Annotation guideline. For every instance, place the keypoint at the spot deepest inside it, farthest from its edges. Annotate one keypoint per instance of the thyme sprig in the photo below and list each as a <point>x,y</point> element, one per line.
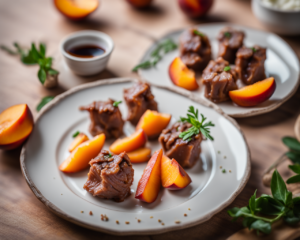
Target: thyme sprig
<point>198,126</point>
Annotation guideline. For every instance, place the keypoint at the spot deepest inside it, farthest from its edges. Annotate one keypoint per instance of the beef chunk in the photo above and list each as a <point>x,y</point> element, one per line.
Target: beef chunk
<point>110,176</point>
<point>105,118</point>
<point>250,64</point>
<point>230,40</point>
<point>218,85</point>
<point>195,50</point>
<point>184,152</point>
<point>138,99</point>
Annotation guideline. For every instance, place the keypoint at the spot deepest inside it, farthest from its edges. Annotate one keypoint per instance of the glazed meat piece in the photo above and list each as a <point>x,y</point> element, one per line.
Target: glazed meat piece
<point>218,67</point>
<point>195,50</point>
<point>184,152</point>
<point>138,99</point>
<point>250,64</point>
<point>230,40</point>
<point>110,176</point>
<point>218,85</point>
<point>105,118</point>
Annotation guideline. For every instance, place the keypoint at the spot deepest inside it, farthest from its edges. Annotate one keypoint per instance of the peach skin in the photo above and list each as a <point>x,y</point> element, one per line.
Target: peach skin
<point>150,182</point>
<point>153,122</point>
<point>140,155</point>
<point>16,124</point>
<point>173,176</point>
<point>80,138</point>
<point>195,8</point>
<point>78,9</point>
<point>140,3</point>
<point>83,154</point>
<point>254,94</point>
<point>182,76</point>
<point>129,144</point>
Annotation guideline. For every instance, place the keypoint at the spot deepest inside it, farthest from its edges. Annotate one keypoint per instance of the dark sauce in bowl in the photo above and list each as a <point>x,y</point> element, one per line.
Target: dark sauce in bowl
<point>86,51</point>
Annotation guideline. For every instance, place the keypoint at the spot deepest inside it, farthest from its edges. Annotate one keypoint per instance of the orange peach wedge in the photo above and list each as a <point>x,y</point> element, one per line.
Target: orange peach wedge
<point>83,154</point>
<point>153,122</point>
<point>182,76</point>
<point>16,123</point>
<point>129,144</point>
<point>76,9</point>
<point>80,138</point>
<point>150,182</point>
<point>254,94</point>
<point>140,155</point>
<point>173,176</point>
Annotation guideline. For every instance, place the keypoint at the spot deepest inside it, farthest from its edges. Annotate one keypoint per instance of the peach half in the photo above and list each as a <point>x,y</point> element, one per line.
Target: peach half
<point>140,155</point>
<point>80,138</point>
<point>76,9</point>
<point>153,122</point>
<point>254,94</point>
<point>16,124</point>
<point>129,144</point>
<point>150,182</point>
<point>182,76</point>
<point>81,156</point>
<point>173,176</point>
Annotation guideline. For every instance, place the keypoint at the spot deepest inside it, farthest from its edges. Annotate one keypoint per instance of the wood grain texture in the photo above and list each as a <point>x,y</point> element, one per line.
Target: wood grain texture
<point>22,216</point>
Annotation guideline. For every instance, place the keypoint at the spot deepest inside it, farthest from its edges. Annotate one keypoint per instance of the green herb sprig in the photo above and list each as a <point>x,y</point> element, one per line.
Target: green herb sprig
<point>227,34</point>
<point>34,56</point>
<point>43,102</point>
<point>254,49</point>
<point>199,33</point>
<point>108,155</point>
<point>262,212</point>
<point>227,68</point>
<point>116,104</point>
<point>157,54</point>
<point>198,126</point>
<point>75,134</point>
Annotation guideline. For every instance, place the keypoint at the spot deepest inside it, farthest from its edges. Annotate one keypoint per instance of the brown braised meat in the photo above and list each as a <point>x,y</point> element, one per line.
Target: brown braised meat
<point>105,118</point>
<point>218,67</point>
<point>138,99</point>
<point>218,85</point>
<point>110,176</point>
<point>250,64</point>
<point>230,40</point>
<point>195,50</point>
<point>184,152</point>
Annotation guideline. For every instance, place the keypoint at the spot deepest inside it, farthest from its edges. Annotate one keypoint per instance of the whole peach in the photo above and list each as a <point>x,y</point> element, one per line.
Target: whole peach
<point>195,8</point>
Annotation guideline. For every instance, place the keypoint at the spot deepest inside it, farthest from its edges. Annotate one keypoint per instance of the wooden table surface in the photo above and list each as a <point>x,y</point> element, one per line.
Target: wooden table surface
<point>22,216</point>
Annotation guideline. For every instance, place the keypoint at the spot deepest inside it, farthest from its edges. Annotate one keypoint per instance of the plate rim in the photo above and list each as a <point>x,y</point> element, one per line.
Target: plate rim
<point>236,115</point>
<point>53,208</point>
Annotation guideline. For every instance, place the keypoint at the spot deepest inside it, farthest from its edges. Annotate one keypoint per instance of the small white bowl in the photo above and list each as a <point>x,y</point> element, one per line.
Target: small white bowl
<point>87,66</point>
<point>286,22</point>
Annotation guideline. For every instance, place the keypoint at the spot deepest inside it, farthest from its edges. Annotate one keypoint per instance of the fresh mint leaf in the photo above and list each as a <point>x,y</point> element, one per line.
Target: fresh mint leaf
<point>247,221</point>
<point>261,226</point>
<point>48,62</point>
<point>294,157</point>
<point>291,218</point>
<point>254,49</point>
<point>42,75</point>
<point>268,205</point>
<point>227,34</point>
<point>116,104</point>
<point>252,203</point>
<point>227,68</point>
<point>292,143</point>
<point>28,60</point>
<point>34,52</point>
<point>294,179</point>
<point>278,187</point>
<point>52,72</point>
<point>43,102</point>
<point>75,134</point>
<point>42,49</point>
<point>295,168</point>
<point>196,32</point>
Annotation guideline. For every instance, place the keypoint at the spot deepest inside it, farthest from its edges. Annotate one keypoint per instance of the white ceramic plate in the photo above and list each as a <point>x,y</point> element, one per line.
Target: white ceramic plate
<point>210,192</point>
<point>282,63</point>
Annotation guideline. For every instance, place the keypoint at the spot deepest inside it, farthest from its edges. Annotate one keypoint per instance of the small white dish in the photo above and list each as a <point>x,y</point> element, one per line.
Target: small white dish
<point>282,63</point>
<point>286,22</point>
<point>87,66</point>
<point>210,192</point>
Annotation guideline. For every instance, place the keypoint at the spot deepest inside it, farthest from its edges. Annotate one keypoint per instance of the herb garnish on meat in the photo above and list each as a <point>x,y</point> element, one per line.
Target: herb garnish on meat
<point>115,104</point>
<point>75,134</point>
<point>227,34</point>
<point>198,33</point>
<point>227,68</point>
<point>198,126</point>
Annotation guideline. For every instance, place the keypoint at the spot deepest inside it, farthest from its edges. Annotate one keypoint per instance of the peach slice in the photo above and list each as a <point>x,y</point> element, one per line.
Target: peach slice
<point>16,123</point>
<point>80,138</point>
<point>173,176</point>
<point>182,76</point>
<point>129,144</point>
<point>139,155</point>
<point>150,182</point>
<point>76,9</point>
<point>79,159</point>
<point>153,122</point>
<point>254,94</point>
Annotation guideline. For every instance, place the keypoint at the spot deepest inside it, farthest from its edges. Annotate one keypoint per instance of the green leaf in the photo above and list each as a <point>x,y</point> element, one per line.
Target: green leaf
<point>43,102</point>
<point>278,187</point>
<point>254,49</point>
<point>295,168</point>
<point>294,157</point>
<point>34,53</point>
<point>252,203</point>
<point>291,218</point>
<point>289,199</point>
<point>48,63</point>
<point>42,75</point>
<point>227,68</point>
<point>296,200</point>
<point>116,104</point>
<point>294,179</point>
<point>227,34</point>
<point>8,50</point>
<point>237,212</point>
<point>108,155</point>
<point>198,33</point>
<point>247,222</point>
<point>143,65</point>
<point>53,72</point>
<point>268,205</point>
<point>261,226</point>
<point>292,143</point>
<point>75,134</point>
<point>28,60</point>
<point>42,49</point>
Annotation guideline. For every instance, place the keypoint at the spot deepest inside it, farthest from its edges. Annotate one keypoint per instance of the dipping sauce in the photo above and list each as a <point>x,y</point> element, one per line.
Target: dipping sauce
<point>86,51</point>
